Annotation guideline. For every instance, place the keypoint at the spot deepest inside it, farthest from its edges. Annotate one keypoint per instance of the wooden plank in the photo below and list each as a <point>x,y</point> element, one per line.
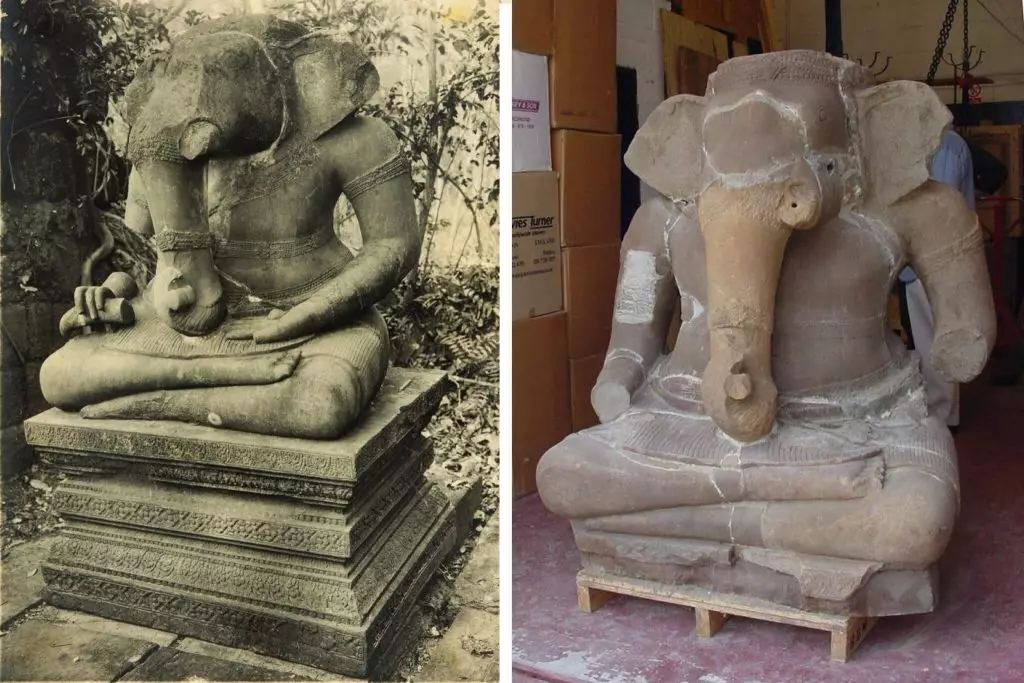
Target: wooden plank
<point>714,609</point>
<point>770,39</point>
<point>741,17</point>
<point>692,71</point>
<point>709,622</point>
<point>846,640</point>
<point>591,599</point>
<point>679,32</point>
<point>707,12</point>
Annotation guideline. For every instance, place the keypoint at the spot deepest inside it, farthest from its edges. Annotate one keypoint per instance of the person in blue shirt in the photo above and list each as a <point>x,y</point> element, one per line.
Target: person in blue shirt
<point>951,165</point>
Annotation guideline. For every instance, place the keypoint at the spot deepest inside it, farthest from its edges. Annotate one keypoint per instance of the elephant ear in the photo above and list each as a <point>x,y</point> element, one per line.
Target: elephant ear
<point>668,150</point>
<point>901,124</point>
<point>332,79</point>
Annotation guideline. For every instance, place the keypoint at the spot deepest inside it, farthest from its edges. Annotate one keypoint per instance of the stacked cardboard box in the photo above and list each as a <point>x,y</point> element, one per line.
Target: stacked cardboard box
<point>558,352</point>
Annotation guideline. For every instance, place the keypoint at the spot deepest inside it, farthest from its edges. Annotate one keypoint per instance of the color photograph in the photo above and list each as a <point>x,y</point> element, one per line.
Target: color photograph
<point>767,341</point>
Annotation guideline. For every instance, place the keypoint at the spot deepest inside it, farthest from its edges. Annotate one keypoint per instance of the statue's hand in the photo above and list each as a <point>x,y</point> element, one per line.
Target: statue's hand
<point>89,301</point>
<point>610,400</point>
<point>959,355</point>
<point>281,326</point>
<point>613,391</point>
<point>107,304</point>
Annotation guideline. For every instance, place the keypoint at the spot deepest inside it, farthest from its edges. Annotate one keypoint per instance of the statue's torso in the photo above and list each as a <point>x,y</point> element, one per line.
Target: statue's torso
<point>277,220</point>
<point>831,307</point>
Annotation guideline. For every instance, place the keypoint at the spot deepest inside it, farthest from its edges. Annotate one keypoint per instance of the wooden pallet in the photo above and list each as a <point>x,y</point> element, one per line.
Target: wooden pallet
<point>714,609</point>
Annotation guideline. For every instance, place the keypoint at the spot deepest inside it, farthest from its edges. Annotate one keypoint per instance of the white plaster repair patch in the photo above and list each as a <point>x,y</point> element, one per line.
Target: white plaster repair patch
<point>635,303</point>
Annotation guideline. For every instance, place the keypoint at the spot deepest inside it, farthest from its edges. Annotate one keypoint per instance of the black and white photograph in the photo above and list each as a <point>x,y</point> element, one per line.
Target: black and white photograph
<point>250,347</point>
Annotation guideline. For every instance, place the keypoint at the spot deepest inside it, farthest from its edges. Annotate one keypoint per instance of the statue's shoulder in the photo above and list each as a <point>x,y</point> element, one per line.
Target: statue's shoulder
<point>359,144</point>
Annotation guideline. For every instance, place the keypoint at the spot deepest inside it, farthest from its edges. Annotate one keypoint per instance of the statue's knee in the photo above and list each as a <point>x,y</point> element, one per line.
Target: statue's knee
<point>57,380</point>
<point>328,402</point>
<point>917,520</point>
<point>561,481</point>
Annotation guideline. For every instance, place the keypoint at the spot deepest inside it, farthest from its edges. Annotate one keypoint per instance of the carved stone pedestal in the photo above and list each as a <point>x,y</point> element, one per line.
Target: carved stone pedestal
<point>312,551</point>
<point>824,585</point>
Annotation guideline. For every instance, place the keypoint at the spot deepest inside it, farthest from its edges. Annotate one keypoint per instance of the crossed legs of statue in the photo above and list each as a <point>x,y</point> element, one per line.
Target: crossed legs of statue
<point>886,508</point>
<point>314,390</point>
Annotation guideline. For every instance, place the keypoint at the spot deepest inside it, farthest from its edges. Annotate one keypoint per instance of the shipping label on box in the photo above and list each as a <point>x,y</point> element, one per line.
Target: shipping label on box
<point>536,245</point>
<point>531,117</point>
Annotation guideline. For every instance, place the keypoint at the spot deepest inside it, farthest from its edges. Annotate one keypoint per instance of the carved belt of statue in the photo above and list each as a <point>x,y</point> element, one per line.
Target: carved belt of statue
<point>787,417</point>
<point>243,138</point>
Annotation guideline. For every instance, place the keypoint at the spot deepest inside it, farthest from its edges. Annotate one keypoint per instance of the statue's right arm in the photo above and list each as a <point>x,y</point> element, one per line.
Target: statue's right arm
<point>643,309</point>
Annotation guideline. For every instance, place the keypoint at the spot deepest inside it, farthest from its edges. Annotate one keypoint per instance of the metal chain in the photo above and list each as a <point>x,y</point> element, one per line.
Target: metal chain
<point>947,26</point>
<point>967,49</point>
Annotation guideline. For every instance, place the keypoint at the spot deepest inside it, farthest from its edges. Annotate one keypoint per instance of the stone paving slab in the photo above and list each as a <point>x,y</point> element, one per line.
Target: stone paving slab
<point>22,585</point>
<point>97,624</point>
<point>39,650</point>
<point>171,664</point>
<point>478,584</point>
<point>468,651</point>
<point>257,661</point>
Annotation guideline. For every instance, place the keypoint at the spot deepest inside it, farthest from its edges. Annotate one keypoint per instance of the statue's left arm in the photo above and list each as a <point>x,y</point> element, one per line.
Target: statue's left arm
<point>374,176</point>
<point>945,247</point>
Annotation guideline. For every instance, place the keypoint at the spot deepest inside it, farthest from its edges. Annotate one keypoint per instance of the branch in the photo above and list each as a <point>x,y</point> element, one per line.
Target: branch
<point>477,382</point>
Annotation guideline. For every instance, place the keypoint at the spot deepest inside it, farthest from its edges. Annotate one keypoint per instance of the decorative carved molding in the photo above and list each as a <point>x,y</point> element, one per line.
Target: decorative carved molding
<point>292,527</point>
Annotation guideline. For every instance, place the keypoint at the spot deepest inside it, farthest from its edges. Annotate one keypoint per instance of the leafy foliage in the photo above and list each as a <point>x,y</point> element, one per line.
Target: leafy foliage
<point>447,319</point>
<point>63,62</point>
<point>447,125</point>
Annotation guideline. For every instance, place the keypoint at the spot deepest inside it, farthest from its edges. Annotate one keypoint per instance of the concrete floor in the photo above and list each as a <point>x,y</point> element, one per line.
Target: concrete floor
<point>976,634</point>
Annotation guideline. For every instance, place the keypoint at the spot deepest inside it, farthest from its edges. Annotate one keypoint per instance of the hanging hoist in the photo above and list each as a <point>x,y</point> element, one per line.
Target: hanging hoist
<point>969,86</point>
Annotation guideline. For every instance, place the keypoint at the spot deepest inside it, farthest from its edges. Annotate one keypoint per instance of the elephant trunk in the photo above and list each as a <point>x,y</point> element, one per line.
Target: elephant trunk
<point>745,237</point>
<point>200,138</point>
<point>187,293</point>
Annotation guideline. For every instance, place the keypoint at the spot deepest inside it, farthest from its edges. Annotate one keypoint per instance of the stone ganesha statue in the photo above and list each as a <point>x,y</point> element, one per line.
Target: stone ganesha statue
<point>783,449</point>
<point>243,138</point>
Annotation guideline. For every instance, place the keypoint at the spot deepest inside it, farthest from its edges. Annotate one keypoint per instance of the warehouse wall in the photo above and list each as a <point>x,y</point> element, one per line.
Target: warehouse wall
<point>907,31</point>
<point>639,47</point>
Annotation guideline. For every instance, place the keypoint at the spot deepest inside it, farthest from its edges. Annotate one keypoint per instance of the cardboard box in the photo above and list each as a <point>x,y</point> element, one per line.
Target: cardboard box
<point>541,414</point>
<point>590,191</point>
<point>583,373</point>
<point>536,262</point>
<point>590,276</point>
<point>531,26</point>
<point>582,66</point>
<point>742,17</point>
<point>531,121</point>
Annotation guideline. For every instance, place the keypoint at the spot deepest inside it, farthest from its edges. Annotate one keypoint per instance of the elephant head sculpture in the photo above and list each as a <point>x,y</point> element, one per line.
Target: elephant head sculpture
<point>764,154</point>
<point>251,87</point>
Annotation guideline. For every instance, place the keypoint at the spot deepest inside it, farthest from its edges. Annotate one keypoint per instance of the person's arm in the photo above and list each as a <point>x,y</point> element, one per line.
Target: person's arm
<point>643,309</point>
<point>374,176</point>
<point>952,165</point>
